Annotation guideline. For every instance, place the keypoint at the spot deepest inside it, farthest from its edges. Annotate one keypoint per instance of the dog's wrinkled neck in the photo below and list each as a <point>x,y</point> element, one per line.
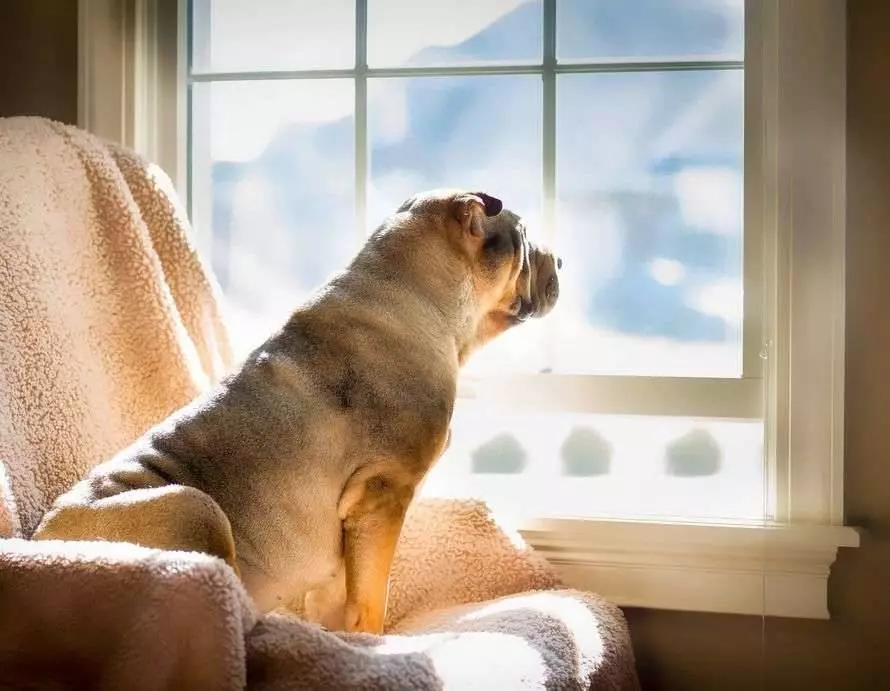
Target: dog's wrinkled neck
<point>409,272</point>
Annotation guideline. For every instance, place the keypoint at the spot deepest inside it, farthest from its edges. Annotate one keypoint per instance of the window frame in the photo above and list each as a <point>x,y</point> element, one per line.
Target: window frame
<point>132,77</point>
<point>654,393</point>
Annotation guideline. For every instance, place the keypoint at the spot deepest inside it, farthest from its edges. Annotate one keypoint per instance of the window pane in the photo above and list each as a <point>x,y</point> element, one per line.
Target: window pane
<point>649,185</point>
<point>461,32</point>
<point>649,29</point>
<point>236,35</point>
<point>470,132</point>
<point>272,176</point>
<point>573,465</point>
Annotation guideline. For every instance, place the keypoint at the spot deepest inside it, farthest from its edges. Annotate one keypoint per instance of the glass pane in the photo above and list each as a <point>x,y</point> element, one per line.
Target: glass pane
<point>236,35</point>
<point>649,29</point>
<point>650,219</point>
<point>469,132</point>
<point>272,177</point>
<point>460,32</point>
<point>574,465</point>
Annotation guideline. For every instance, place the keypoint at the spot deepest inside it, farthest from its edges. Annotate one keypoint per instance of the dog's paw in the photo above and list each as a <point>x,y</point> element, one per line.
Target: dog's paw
<point>362,619</point>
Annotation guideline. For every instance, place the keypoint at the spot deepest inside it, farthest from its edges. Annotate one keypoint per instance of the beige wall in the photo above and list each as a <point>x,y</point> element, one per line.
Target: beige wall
<point>678,650</point>
<point>38,58</point>
<point>852,651</point>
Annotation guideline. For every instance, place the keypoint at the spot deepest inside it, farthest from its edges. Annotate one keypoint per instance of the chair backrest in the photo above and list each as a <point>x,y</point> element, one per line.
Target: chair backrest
<point>108,319</point>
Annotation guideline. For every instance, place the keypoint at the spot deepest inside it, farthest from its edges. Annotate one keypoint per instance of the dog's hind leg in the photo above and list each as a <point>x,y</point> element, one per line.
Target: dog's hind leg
<point>172,517</point>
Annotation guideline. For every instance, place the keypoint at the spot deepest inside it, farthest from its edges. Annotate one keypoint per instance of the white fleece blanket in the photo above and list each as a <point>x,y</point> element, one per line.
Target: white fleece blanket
<point>108,320</point>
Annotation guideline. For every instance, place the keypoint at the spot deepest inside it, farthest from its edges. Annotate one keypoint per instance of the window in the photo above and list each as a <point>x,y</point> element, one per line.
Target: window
<point>688,388</point>
<point>615,129</point>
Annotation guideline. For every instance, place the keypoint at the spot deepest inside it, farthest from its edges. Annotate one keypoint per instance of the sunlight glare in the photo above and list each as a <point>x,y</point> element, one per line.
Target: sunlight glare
<point>710,197</point>
<point>239,132</point>
<point>668,272</point>
<point>578,620</point>
<point>722,299</point>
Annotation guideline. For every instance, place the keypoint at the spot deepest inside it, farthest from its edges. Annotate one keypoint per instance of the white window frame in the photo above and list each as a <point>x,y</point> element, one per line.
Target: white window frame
<point>132,76</point>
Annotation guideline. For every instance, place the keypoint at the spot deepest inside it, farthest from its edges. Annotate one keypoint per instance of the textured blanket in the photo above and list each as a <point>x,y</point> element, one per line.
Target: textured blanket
<point>116,616</point>
<point>471,607</point>
<point>108,322</point>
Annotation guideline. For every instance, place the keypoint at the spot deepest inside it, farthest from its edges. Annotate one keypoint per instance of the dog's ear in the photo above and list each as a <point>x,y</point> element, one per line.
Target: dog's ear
<point>493,205</point>
<point>469,209</point>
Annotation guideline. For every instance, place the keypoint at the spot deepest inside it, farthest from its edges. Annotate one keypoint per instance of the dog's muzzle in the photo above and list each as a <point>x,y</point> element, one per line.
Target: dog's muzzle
<point>543,284</point>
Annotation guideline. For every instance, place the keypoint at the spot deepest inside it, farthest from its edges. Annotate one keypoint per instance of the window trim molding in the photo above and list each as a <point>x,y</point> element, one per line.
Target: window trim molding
<point>131,89</point>
<point>704,397</point>
<point>772,569</point>
<point>804,203</point>
<point>104,98</point>
<point>131,77</point>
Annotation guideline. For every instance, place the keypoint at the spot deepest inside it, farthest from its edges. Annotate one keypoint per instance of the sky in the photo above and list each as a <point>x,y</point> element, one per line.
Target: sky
<point>309,34</point>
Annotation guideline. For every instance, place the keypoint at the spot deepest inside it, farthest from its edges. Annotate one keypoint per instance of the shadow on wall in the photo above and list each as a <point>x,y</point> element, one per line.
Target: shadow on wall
<point>38,59</point>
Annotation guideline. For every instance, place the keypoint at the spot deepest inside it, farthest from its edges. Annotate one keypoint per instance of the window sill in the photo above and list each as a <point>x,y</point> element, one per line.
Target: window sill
<point>778,570</point>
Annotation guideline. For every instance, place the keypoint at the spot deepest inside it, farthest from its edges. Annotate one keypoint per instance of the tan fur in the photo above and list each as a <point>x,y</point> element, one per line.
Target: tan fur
<point>298,469</point>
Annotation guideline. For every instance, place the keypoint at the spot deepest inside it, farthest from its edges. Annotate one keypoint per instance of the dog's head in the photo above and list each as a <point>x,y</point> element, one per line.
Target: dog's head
<point>512,279</point>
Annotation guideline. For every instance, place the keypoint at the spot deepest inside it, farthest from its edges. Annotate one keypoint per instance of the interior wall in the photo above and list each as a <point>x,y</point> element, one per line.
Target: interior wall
<point>38,58</point>
<point>687,652</point>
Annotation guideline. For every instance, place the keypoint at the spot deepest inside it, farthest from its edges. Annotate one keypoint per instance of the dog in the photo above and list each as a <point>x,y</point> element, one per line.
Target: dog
<point>298,468</point>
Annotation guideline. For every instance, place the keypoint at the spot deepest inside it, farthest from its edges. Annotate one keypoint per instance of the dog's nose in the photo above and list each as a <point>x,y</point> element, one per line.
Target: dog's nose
<point>559,262</point>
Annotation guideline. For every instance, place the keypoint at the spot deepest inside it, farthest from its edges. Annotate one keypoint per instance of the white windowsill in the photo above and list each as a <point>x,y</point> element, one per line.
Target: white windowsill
<point>771,569</point>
